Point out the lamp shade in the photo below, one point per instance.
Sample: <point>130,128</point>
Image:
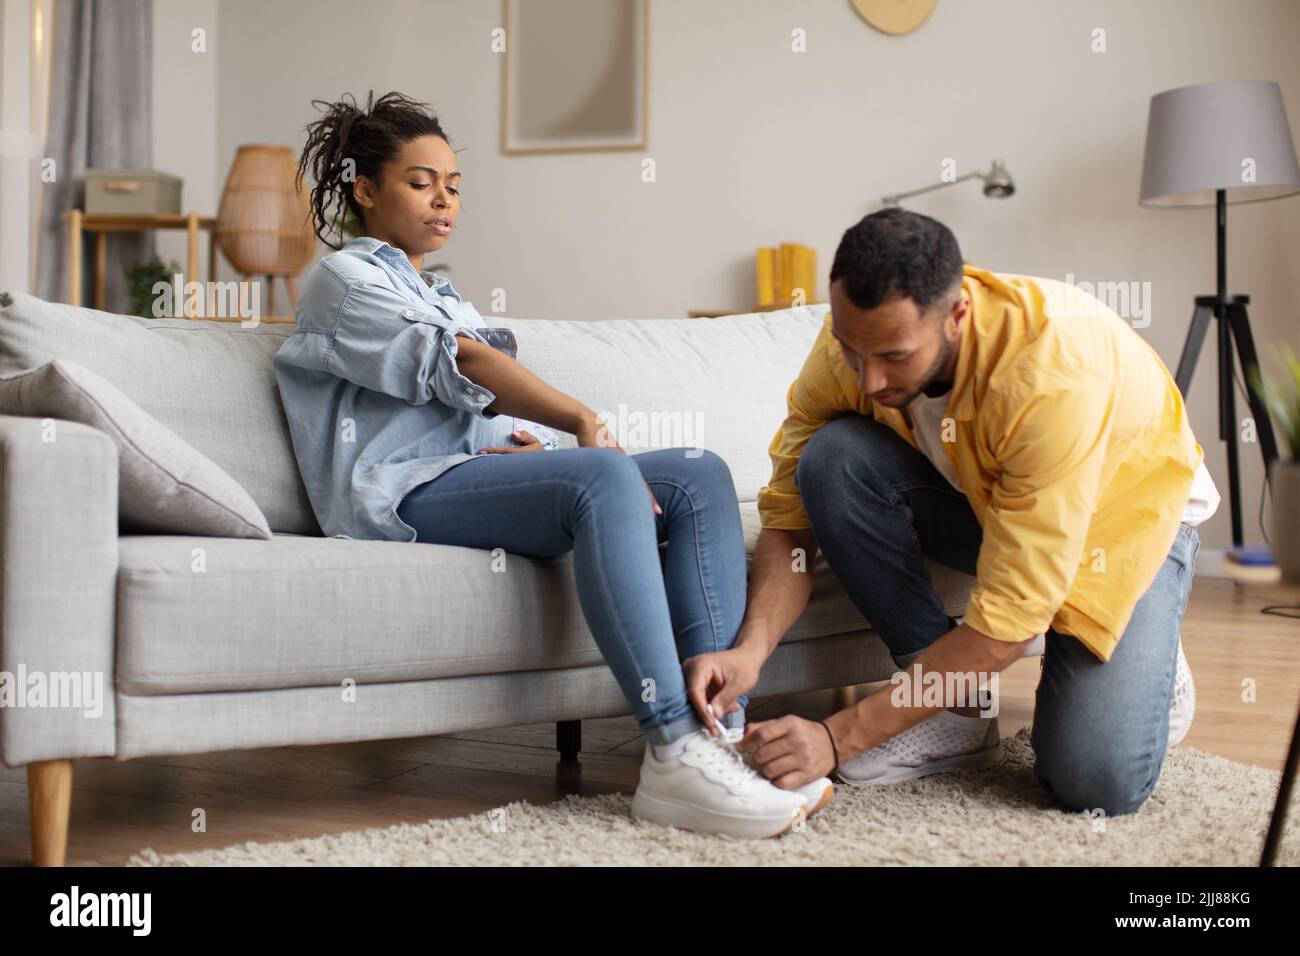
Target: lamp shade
<point>1232,136</point>
<point>264,220</point>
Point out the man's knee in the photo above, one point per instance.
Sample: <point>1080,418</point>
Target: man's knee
<point>825,458</point>
<point>1096,781</point>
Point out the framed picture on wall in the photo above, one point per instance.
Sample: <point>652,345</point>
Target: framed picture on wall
<point>575,75</point>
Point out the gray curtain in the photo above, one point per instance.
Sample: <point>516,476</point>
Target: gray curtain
<point>101,116</point>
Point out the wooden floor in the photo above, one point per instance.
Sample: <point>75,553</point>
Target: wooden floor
<point>266,795</point>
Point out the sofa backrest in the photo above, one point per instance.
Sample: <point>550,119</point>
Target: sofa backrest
<point>210,382</point>
<point>716,383</point>
<point>660,383</point>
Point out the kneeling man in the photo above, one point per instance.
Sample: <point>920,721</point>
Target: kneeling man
<point>1014,429</point>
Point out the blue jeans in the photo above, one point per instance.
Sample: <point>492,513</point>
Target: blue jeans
<point>646,612</point>
<point>878,507</point>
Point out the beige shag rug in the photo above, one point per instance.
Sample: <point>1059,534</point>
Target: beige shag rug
<point>1205,811</point>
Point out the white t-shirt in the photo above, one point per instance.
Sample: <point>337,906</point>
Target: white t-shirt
<point>927,416</point>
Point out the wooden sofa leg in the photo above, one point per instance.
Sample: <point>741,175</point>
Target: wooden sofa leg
<point>843,697</point>
<point>49,798</point>
<point>568,738</point>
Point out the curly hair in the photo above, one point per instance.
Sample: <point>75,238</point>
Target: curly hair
<point>369,137</point>
<point>897,252</point>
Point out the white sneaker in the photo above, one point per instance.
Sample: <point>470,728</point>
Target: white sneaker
<point>709,788</point>
<point>1183,706</point>
<point>817,792</point>
<point>946,741</point>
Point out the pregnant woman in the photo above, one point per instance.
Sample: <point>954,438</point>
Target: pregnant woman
<point>412,421</point>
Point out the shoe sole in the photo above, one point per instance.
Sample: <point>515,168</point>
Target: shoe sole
<point>992,757</point>
<point>825,798</point>
<point>1177,734</point>
<point>687,816</point>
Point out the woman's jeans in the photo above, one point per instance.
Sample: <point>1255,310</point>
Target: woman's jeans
<point>878,507</point>
<point>647,614</point>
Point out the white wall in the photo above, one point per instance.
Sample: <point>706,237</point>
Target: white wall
<point>755,144</point>
<point>185,113</point>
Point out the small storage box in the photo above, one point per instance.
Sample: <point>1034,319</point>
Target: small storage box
<point>132,192</point>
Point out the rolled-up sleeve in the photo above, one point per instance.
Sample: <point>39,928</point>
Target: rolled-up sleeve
<point>385,342</point>
<point>816,397</point>
<point>550,441</point>
<point>1049,440</point>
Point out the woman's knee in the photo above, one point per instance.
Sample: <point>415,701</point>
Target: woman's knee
<point>705,460</point>
<point>610,473</point>
<point>703,468</point>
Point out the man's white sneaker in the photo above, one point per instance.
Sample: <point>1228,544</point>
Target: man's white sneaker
<point>709,788</point>
<point>1183,706</point>
<point>817,792</point>
<point>946,741</point>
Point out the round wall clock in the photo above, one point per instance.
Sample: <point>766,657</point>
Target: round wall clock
<point>894,17</point>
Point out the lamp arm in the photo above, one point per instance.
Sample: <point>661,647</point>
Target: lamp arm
<point>894,198</point>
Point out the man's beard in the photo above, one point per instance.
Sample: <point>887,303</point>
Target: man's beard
<point>931,385</point>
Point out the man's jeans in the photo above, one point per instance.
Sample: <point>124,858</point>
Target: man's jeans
<point>644,611</point>
<point>877,506</point>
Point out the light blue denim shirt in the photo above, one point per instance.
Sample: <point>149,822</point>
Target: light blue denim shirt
<point>375,401</point>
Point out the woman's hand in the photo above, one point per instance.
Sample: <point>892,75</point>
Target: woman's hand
<point>527,442</point>
<point>520,392</point>
<point>592,433</point>
<point>717,679</point>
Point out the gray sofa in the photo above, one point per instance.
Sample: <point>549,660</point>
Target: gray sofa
<point>303,639</point>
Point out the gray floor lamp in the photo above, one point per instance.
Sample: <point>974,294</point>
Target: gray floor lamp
<point>1215,143</point>
<point>1209,145</point>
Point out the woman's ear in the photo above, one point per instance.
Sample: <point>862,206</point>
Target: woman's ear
<point>363,191</point>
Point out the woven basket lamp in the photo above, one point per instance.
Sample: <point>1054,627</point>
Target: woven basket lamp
<point>264,221</point>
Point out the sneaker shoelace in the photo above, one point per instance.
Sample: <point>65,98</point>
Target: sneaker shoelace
<point>722,755</point>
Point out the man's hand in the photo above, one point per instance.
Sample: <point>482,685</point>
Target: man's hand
<point>789,751</point>
<point>717,679</point>
<point>527,442</point>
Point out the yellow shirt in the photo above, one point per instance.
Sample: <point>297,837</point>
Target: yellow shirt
<point>1071,443</point>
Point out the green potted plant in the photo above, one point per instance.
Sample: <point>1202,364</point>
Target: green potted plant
<point>1282,395</point>
<point>140,280</point>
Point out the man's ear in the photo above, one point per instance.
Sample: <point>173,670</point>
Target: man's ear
<point>960,310</point>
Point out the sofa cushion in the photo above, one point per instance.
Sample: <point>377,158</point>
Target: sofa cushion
<point>206,614</point>
<point>209,382</point>
<point>163,483</point>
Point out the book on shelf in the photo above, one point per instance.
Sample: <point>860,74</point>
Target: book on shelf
<point>780,270</point>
